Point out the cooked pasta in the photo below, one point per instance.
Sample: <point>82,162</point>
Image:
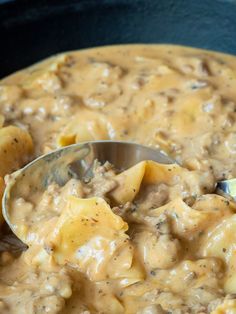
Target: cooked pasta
<point>152,239</point>
<point>16,148</point>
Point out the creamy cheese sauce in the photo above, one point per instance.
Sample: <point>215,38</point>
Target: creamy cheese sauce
<point>165,243</point>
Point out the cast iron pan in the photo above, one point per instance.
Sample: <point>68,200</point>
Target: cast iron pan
<point>31,29</point>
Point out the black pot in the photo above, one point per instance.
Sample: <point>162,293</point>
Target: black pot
<point>31,29</point>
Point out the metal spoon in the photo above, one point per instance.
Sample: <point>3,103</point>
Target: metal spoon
<point>77,161</point>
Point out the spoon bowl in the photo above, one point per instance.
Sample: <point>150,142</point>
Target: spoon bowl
<point>74,161</point>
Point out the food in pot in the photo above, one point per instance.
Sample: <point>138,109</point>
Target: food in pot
<point>151,239</point>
